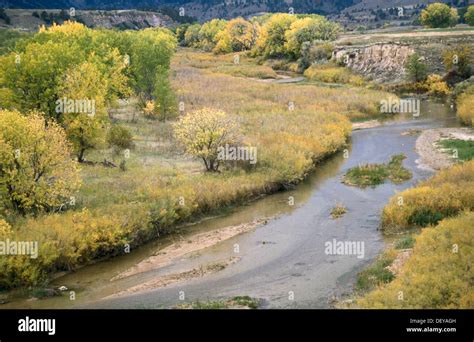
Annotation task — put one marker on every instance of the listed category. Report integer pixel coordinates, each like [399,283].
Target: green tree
[164,95]
[150,49]
[416,68]
[180,32]
[454,17]
[191,37]
[82,104]
[438,15]
[34,76]
[469,16]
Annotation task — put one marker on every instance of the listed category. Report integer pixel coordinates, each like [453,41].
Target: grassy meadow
[158,186]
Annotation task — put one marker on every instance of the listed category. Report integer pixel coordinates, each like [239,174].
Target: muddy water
[283,262]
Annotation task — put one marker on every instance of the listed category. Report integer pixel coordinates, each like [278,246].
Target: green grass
[464,148]
[405,242]
[376,174]
[338,211]
[376,274]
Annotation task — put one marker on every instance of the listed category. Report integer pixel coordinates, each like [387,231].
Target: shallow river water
[283,263]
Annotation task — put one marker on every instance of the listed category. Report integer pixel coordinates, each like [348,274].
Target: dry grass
[116,207]
[445,194]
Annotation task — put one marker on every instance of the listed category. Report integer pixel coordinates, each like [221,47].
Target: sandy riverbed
[431,157]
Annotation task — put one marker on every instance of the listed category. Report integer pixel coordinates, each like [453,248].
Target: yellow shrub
[465,107]
[436,86]
[445,194]
[333,74]
[151,109]
[5,229]
[438,274]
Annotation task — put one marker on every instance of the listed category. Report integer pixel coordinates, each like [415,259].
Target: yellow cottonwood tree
[36,169]
[238,35]
[82,103]
[202,133]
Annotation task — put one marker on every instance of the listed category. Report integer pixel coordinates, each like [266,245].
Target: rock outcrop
[383,62]
[126,19]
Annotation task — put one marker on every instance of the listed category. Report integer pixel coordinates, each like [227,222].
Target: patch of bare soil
[168,279]
[431,157]
[189,245]
[366,124]
[400,260]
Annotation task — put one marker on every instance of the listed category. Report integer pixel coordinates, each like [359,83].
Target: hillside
[30,20]
[201,9]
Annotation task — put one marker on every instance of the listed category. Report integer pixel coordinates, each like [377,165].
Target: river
[282,263]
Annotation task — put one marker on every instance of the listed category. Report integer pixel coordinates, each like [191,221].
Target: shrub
[458,60]
[376,274]
[119,138]
[338,211]
[405,242]
[150,110]
[445,194]
[5,229]
[465,104]
[203,132]
[417,69]
[436,86]
[36,170]
[328,73]
[446,248]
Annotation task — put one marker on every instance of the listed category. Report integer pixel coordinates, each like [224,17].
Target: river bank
[285,255]
[432,155]
[160,188]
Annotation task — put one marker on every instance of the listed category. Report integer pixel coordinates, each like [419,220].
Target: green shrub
[119,138]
